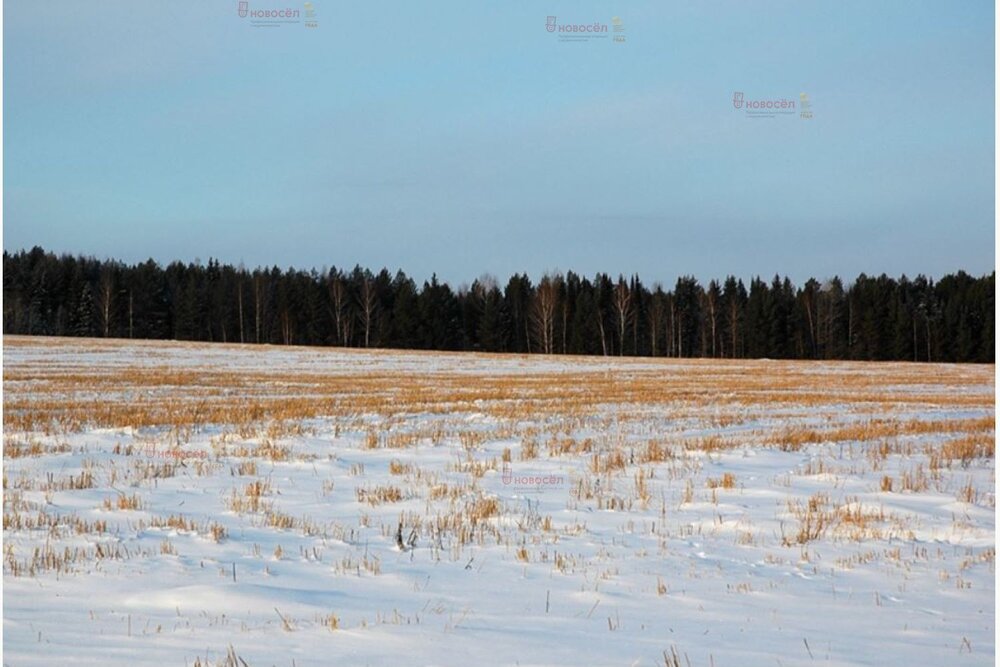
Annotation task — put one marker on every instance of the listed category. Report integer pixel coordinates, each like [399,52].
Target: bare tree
[565,323]
[368,301]
[287,328]
[600,328]
[734,324]
[712,295]
[544,310]
[671,342]
[622,300]
[256,306]
[483,286]
[339,307]
[655,316]
[676,324]
[809,304]
[599,313]
[239,297]
[105,300]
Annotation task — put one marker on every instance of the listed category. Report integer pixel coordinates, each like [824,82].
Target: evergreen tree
[876,318]
[83,322]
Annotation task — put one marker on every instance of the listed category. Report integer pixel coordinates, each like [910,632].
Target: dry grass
[966,449]
[231,659]
[645,436]
[727,481]
[268,401]
[379,494]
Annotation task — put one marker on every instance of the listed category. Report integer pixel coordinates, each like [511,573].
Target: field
[182,504]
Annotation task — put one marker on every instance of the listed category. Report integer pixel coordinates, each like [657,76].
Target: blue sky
[464,138]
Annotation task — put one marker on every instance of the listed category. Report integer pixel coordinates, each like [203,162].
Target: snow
[553,578]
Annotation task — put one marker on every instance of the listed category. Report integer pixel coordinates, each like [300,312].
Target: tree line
[871,318]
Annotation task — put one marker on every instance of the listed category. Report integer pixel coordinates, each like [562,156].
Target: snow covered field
[170,503]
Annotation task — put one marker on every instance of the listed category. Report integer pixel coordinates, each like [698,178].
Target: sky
[464,138]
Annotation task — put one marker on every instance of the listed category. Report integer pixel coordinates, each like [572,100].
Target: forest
[869,318]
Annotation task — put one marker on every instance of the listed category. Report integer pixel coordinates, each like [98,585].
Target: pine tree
[83,322]
[876,318]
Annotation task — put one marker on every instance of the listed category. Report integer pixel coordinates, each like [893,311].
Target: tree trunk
[256,308]
[239,296]
[600,326]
